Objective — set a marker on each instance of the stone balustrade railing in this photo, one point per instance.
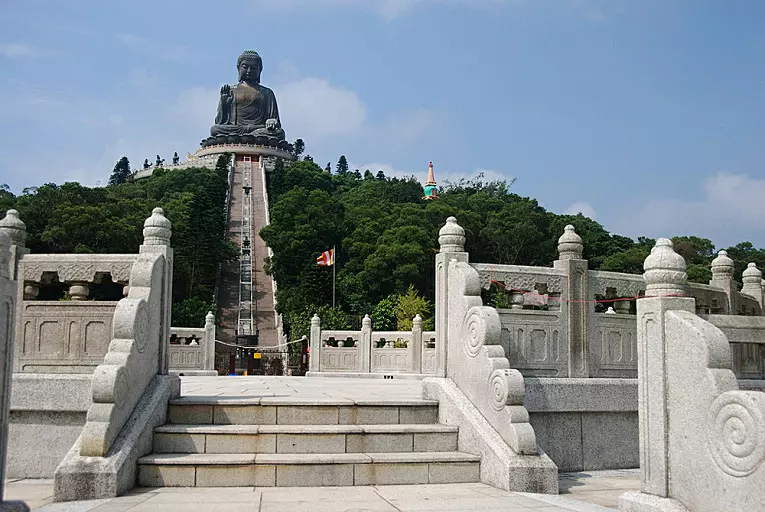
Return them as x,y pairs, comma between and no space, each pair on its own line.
192,350
702,439
568,321
367,351
70,334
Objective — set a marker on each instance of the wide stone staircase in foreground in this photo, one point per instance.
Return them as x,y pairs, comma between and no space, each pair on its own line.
216,442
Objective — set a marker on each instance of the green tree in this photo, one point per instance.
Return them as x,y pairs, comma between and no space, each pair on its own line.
121,172
328,168
384,314
342,165
409,305
298,148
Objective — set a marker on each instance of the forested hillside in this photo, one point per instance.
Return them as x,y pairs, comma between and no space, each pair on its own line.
71,218
386,238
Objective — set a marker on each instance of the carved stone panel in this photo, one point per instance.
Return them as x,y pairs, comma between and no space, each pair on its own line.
336,359
63,336
613,346
188,357
535,342
747,359
396,360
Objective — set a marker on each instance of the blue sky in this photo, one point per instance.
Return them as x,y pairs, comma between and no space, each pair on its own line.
647,115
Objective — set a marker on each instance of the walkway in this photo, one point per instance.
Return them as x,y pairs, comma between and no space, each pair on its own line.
591,489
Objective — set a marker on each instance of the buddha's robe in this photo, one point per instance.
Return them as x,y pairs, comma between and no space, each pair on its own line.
248,112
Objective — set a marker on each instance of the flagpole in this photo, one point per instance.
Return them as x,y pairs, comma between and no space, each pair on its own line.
334,274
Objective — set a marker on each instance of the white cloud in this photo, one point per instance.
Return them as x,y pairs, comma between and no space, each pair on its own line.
315,110
17,50
730,210
582,207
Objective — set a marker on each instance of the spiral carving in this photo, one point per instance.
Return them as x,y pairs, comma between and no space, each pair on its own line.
474,331
141,328
736,433
499,389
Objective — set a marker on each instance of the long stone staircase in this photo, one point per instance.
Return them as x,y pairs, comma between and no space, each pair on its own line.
220,442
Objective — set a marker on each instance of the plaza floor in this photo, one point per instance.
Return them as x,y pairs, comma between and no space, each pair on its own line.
591,491
580,492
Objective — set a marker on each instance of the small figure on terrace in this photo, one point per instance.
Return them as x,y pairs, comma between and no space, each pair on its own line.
248,108
146,164
176,159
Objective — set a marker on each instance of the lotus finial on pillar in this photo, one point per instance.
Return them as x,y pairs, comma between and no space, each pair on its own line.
664,271
157,230
570,246
14,227
451,237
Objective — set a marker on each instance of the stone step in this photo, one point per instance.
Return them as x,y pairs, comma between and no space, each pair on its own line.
304,438
306,470
281,411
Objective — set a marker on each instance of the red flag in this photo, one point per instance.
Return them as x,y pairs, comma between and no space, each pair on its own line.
326,259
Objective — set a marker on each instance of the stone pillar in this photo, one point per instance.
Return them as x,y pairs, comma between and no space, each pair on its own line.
7,298
722,277
752,278
314,358
209,348
451,239
666,289
416,350
13,226
157,231
365,345
570,249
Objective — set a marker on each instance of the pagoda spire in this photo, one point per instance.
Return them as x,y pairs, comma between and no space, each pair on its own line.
430,185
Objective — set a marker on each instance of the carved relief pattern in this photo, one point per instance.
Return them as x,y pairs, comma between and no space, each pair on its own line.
736,433
78,270
520,280
474,329
499,389
624,287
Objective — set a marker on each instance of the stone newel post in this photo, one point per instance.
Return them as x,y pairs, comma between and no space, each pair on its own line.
209,349
416,350
666,290
722,277
752,278
314,358
157,231
7,298
365,348
451,239
15,228
570,260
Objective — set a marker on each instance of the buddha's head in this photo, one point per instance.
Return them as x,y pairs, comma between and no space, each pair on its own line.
249,65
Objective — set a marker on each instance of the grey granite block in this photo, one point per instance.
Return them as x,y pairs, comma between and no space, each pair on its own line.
306,415
236,476
310,443
418,414
309,475
240,443
435,442
368,443
453,472
166,476
368,415
190,414
179,443
244,415
391,474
